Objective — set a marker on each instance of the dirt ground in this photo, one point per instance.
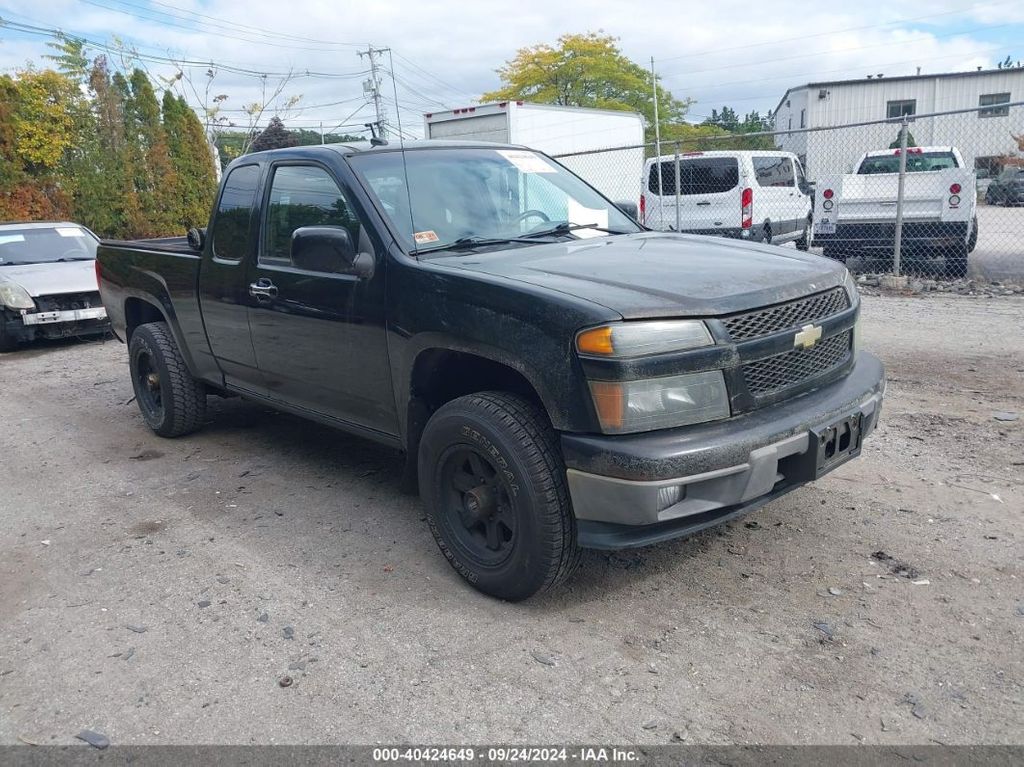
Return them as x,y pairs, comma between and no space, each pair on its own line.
159,591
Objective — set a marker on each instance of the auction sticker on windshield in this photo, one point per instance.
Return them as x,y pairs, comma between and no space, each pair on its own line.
527,162
70,231
424,238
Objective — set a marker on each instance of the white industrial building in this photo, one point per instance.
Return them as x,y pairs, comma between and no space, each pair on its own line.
981,136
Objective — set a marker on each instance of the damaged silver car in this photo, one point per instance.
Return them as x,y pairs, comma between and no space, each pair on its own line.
48,283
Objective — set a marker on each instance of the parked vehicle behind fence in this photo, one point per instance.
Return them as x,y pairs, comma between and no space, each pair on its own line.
557,377
1007,188
760,196
48,283
855,214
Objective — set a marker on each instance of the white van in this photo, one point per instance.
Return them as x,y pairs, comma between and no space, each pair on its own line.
758,195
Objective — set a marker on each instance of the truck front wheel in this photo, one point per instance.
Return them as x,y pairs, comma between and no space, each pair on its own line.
492,478
172,402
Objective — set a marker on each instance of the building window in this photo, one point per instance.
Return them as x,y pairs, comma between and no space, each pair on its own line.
803,118
988,99
903,108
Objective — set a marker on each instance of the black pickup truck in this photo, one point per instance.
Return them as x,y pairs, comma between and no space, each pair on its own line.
557,376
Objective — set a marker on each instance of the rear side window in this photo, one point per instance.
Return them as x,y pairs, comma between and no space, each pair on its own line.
773,171
303,195
231,230
697,175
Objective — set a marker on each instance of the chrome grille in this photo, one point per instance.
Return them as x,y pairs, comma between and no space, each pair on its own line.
763,322
774,374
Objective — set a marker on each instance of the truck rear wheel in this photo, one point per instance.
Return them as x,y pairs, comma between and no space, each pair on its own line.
171,401
492,478
956,262
972,240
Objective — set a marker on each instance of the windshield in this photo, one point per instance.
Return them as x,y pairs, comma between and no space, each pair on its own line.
917,161
494,195
46,245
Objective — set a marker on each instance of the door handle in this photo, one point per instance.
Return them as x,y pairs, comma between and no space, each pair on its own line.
704,202
263,288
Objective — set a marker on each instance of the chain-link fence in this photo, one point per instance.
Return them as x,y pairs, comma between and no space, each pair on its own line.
938,195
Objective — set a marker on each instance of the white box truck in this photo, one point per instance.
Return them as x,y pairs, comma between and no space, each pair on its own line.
557,130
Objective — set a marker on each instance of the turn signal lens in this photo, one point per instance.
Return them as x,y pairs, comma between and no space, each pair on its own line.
596,341
638,339
609,403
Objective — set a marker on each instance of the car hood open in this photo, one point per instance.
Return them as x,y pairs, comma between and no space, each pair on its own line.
53,278
654,274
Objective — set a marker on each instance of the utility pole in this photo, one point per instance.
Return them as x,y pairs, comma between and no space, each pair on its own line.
371,87
657,133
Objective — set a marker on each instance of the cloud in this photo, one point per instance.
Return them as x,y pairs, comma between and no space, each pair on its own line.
730,52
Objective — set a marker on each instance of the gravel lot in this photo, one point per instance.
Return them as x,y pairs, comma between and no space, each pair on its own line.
158,591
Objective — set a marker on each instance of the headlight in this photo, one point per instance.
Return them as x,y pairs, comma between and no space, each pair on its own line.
636,339
624,407
13,296
850,283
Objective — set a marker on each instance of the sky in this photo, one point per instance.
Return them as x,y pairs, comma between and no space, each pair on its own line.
444,53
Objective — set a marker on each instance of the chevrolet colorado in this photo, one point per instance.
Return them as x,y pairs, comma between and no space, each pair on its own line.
557,376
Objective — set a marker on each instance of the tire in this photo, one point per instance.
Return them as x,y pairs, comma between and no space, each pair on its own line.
7,344
972,241
956,262
171,401
805,239
493,482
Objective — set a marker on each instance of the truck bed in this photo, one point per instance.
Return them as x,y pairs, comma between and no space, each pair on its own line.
157,244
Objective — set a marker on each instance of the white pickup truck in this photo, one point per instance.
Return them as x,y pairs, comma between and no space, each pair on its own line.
855,214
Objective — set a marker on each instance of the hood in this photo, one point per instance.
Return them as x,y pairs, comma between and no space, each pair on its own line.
53,278
653,274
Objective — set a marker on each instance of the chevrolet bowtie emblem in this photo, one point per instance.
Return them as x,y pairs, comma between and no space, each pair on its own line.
807,337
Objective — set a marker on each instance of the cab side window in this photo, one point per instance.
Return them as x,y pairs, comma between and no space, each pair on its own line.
232,234
302,195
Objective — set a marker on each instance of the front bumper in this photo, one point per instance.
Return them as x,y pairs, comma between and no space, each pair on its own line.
27,326
637,489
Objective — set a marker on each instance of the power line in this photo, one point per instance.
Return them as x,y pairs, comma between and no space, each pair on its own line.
169,19
458,91
245,27
38,31
832,71
801,38
843,50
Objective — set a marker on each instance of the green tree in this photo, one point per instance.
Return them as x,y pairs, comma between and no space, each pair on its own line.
726,119
153,173
584,70
105,196
191,160
40,110
274,136
71,58
896,142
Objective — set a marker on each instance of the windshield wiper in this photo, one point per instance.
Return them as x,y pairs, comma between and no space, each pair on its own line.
564,227
468,243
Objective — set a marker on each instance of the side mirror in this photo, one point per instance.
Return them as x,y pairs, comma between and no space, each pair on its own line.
807,187
627,207
196,238
328,249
